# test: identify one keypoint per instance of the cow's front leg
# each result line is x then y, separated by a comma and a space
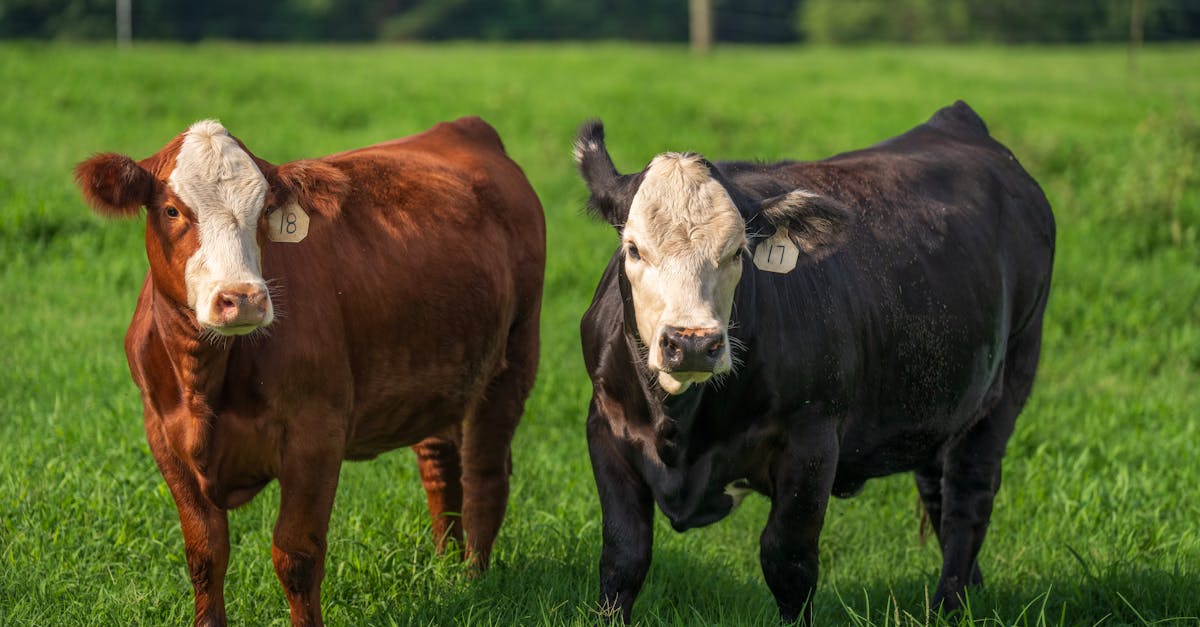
307, 482
788, 546
627, 510
205, 531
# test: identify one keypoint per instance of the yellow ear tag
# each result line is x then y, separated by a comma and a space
289, 224
777, 254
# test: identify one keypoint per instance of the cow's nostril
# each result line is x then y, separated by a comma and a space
714, 349
241, 305
671, 349
258, 300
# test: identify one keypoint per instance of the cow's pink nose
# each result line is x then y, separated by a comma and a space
240, 305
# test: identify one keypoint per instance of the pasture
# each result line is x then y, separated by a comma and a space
1098, 520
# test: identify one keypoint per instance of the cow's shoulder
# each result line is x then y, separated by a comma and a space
602, 324
150, 364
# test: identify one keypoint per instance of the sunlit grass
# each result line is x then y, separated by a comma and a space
1097, 519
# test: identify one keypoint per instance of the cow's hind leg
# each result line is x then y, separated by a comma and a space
971, 472
487, 437
929, 486
441, 476
971, 478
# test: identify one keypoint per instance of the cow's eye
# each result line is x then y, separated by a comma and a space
632, 251
172, 212
737, 254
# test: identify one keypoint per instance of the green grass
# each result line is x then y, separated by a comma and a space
1098, 521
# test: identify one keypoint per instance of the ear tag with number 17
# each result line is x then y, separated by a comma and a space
777, 254
287, 224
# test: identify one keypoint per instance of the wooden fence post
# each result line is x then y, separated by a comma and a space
701, 19
124, 23
1136, 34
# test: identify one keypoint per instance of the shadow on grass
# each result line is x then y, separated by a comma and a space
559, 584
1123, 595
538, 590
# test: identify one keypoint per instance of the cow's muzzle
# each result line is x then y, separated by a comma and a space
240, 309
691, 350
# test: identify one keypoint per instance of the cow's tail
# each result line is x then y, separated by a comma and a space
926, 524
959, 119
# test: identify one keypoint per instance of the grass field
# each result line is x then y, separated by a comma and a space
1098, 521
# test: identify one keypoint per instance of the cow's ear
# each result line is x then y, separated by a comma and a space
611, 192
114, 185
314, 185
817, 223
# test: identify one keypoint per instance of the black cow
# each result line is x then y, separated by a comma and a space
797, 328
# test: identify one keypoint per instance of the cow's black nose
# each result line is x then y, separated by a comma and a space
691, 350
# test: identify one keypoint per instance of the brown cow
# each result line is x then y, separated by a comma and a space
402, 286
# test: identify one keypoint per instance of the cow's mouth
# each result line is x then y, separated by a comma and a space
678, 382
238, 329
233, 330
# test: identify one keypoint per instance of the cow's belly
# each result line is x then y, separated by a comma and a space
404, 421
904, 438
428, 368
409, 406
865, 455
913, 405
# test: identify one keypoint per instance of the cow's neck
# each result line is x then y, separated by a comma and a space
199, 363
671, 416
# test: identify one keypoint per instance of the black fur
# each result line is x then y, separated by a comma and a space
909, 344
611, 192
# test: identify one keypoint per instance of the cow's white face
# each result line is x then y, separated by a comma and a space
225, 193
683, 242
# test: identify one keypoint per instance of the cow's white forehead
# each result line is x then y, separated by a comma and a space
224, 188
681, 209
216, 178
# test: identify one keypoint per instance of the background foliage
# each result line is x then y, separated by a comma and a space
1008, 21
1097, 519
846, 21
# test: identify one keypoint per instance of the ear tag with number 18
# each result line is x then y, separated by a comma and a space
287, 224
777, 254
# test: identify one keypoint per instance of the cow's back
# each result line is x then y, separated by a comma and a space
907, 326
436, 253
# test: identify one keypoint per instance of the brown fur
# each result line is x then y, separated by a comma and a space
113, 184
315, 186
408, 317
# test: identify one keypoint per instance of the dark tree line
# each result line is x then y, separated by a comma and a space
1009, 21
843, 21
